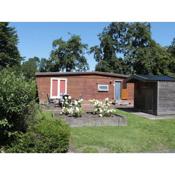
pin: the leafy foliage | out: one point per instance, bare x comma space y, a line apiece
44, 65
138, 52
68, 55
30, 67
105, 55
9, 54
47, 135
16, 103
171, 51
33, 65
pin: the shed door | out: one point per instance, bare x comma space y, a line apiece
117, 90
148, 100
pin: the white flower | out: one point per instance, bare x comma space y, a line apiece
63, 109
102, 108
106, 99
69, 97
75, 102
80, 100
70, 111
100, 115
77, 109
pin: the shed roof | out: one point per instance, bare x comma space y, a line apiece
150, 78
37, 74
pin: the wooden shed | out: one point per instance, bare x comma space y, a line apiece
154, 94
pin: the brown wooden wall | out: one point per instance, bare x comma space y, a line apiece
166, 97
84, 86
145, 97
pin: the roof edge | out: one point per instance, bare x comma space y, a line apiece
37, 74
142, 78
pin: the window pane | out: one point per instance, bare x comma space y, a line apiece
103, 87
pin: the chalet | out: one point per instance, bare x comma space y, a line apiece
86, 85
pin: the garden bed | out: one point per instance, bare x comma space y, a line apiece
89, 119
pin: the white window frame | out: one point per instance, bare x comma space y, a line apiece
58, 79
102, 90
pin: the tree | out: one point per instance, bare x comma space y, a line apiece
140, 53
9, 54
68, 55
171, 51
17, 102
150, 60
33, 65
44, 65
30, 67
106, 57
171, 48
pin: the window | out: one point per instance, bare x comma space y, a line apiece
103, 87
58, 87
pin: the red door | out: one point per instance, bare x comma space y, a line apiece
62, 87
54, 88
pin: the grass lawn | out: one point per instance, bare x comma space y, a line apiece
141, 135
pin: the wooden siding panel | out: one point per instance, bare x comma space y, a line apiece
166, 98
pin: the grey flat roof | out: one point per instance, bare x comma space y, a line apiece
37, 74
150, 78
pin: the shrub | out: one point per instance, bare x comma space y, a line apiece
102, 108
72, 108
48, 135
16, 103
66, 101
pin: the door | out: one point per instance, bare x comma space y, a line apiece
117, 90
58, 87
148, 100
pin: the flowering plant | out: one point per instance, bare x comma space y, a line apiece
66, 101
102, 108
72, 108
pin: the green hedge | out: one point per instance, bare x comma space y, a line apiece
48, 135
17, 99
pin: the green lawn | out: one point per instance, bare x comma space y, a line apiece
141, 135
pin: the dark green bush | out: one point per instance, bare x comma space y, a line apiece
17, 99
48, 135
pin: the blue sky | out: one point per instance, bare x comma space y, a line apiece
35, 39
